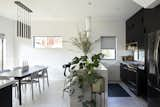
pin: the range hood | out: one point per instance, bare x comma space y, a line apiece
147, 3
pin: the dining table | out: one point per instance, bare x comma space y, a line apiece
20, 74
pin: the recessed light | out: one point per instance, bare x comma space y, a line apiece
89, 3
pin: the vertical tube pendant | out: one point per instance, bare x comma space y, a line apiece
18, 27
23, 20
20, 24
29, 36
25, 24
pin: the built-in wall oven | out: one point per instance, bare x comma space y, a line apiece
153, 69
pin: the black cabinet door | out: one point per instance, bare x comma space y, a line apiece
123, 73
150, 20
139, 29
135, 29
6, 97
153, 97
130, 26
157, 17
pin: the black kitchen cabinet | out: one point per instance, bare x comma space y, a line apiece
123, 72
6, 96
150, 20
135, 30
134, 78
157, 18
142, 23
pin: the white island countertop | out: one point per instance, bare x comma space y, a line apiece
102, 67
5, 83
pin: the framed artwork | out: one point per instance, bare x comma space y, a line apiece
47, 41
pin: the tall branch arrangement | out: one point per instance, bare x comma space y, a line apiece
82, 42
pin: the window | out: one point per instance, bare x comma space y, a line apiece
47, 41
108, 47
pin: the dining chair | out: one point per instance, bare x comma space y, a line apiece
44, 76
15, 85
33, 79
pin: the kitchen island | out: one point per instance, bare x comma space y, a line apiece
6, 93
74, 101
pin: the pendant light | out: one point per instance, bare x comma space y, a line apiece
23, 20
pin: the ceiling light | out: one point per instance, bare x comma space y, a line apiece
89, 3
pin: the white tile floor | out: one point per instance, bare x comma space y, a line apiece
52, 97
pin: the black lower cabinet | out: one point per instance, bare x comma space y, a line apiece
6, 97
134, 78
153, 97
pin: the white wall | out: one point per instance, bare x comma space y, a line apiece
54, 58
7, 26
21, 49
111, 28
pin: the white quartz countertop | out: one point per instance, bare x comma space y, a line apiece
5, 83
102, 67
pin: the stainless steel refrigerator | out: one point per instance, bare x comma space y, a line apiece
153, 69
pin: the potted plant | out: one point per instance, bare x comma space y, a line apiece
83, 74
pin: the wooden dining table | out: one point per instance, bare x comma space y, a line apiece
20, 74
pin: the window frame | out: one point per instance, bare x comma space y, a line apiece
115, 58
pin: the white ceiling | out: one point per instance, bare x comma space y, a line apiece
72, 9
147, 3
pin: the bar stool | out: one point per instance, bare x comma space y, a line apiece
98, 88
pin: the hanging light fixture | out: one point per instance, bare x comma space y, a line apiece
88, 25
23, 20
2, 39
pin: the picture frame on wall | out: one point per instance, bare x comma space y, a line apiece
47, 42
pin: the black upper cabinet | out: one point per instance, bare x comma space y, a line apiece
135, 29
142, 23
150, 20
157, 17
